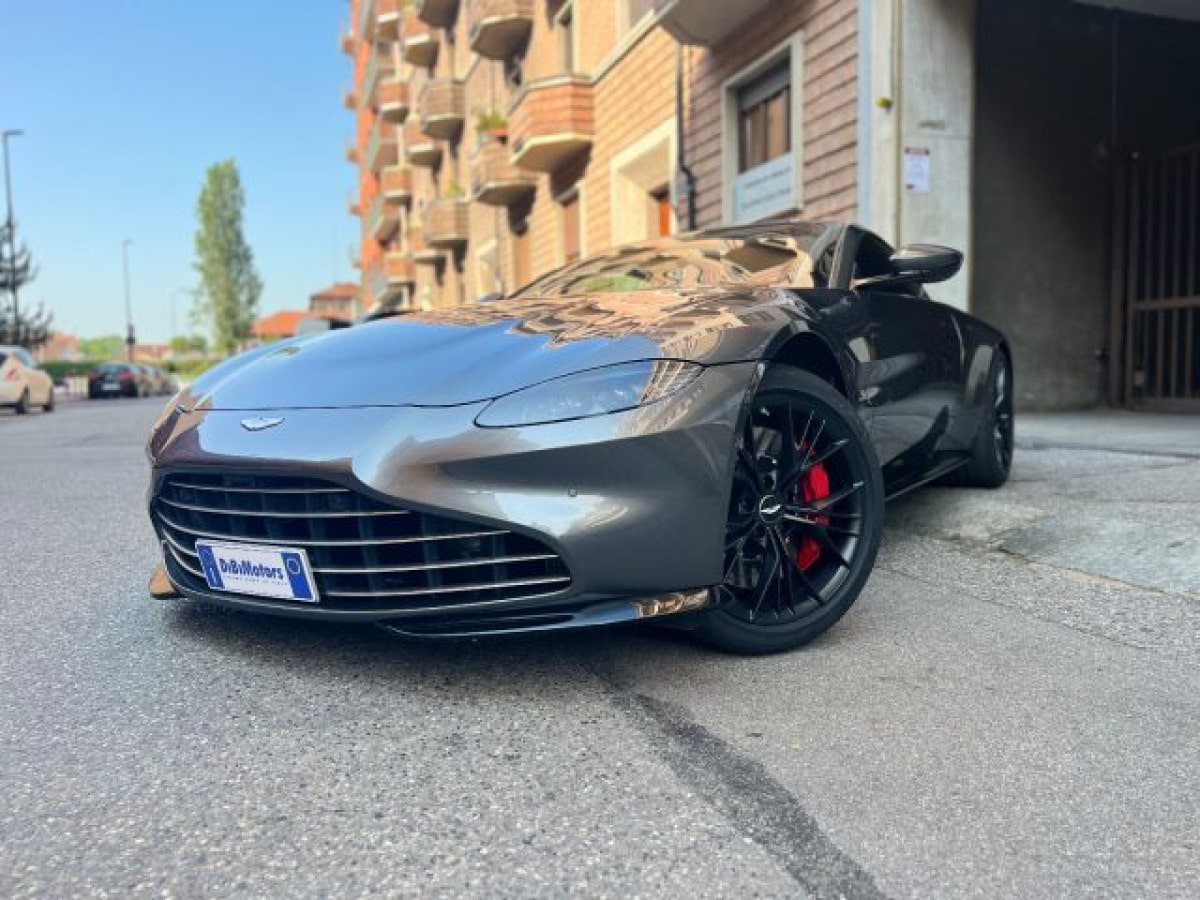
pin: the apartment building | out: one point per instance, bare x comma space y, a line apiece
1056, 142
499, 139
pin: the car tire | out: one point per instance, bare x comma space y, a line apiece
48, 406
992, 450
22, 406
804, 524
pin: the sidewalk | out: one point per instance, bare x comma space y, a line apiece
1111, 495
1117, 430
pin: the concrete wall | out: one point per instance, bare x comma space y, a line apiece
1043, 193
920, 80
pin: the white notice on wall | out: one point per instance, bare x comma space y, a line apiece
918, 172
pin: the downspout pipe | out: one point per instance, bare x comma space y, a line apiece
686, 181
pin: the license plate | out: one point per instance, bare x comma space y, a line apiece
110, 386
279, 572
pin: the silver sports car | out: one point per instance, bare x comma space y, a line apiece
702, 430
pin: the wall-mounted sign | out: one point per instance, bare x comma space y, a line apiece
765, 190
918, 170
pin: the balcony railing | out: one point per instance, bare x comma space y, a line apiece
383, 219
496, 29
419, 148
442, 107
447, 223
419, 43
705, 22
392, 100
396, 184
439, 13
347, 41
387, 19
379, 67
349, 98
382, 149
495, 180
399, 268
422, 254
550, 121
352, 153
366, 19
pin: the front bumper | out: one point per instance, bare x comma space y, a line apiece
634, 503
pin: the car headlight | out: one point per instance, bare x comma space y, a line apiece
595, 392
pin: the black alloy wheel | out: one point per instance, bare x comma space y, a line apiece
805, 517
992, 453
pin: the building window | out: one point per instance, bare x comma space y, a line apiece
570, 227
762, 136
764, 118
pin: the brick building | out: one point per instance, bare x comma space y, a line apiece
498, 139
338, 301
1056, 142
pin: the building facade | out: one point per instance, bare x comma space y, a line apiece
499, 139
1057, 142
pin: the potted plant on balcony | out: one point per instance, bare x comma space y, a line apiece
491, 125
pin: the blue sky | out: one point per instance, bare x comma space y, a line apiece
124, 104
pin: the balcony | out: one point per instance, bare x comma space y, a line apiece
447, 223
420, 251
705, 22
392, 100
349, 98
496, 29
387, 19
419, 44
383, 219
550, 121
442, 106
353, 204
382, 149
396, 184
398, 268
379, 68
439, 13
495, 181
352, 154
366, 19
347, 42
419, 148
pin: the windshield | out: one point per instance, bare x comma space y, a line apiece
710, 259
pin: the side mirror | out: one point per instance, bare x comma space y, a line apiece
925, 263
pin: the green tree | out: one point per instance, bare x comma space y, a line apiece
229, 285
109, 346
191, 343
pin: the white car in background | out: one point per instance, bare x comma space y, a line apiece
22, 382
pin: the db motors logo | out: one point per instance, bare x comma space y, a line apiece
247, 569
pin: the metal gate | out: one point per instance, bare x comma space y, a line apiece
1155, 317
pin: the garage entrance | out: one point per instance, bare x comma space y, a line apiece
1086, 202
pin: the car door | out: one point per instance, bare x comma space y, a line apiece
909, 353
41, 386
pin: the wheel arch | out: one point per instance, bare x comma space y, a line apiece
812, 353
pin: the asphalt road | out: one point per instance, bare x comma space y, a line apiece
996, 717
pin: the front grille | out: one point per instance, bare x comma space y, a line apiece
365, 554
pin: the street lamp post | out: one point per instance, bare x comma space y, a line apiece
10, 230
130, 340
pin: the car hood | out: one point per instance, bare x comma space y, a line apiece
470, 354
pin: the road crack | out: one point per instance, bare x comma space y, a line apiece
742, 790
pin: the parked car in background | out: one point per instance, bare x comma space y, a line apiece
116, 380
158, 382
22, 382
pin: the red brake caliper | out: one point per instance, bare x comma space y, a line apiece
813, 486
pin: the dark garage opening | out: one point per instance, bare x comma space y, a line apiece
1086, 189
